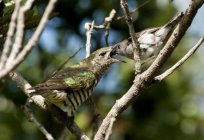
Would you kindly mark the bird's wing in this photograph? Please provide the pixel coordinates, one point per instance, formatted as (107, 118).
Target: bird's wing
(69, 79)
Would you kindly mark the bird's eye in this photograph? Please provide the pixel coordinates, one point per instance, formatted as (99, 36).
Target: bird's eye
(102, 54)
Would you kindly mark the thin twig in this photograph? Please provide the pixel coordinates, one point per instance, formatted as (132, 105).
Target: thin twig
(133, 12)
(10, 33)
(31, 117)
(136, 49)
(89, 30)
(19, 38)
(19, 32)
(108, 19)
(107, 24)
(180, 62)
(66, 61)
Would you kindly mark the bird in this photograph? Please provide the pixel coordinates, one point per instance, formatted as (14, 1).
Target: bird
(70, 87)
(150, 41)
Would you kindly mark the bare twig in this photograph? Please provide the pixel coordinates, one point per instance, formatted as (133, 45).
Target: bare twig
(40, 101)
(107, 24)
(31, 117)
(66, 61)
(18, 40)
(10, 33)
(133, 13)
(136, 49)
(107, 21)
(89, 30)
(180, 62)
(19, 32)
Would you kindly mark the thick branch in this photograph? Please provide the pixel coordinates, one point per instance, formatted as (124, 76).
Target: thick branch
(146, 77)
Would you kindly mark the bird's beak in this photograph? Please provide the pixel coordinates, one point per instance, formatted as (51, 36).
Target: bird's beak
(113, 53)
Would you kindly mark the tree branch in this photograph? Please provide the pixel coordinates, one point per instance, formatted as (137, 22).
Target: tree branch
(21, 56)
(107, 24)
(89, 30)
(142, 81)
(19, 32)
(136, 50)
(10, 33)
(180, 62)
(32, 118)
(109, 130)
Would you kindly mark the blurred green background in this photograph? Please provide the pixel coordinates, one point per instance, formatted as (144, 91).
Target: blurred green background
(170, 110)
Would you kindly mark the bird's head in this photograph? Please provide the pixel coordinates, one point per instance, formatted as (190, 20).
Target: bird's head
(102, 58)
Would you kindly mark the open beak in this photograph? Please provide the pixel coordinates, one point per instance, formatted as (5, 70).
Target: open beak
(114, 52)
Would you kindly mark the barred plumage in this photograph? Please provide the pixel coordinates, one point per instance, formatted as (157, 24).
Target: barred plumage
(69, 100)
(76, 98)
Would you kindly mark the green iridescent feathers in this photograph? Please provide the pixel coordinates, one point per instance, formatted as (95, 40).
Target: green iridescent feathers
(69, 78)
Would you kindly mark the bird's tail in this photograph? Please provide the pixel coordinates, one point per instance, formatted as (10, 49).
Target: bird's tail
(173, 23)
(35, 91)
(165, 31)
